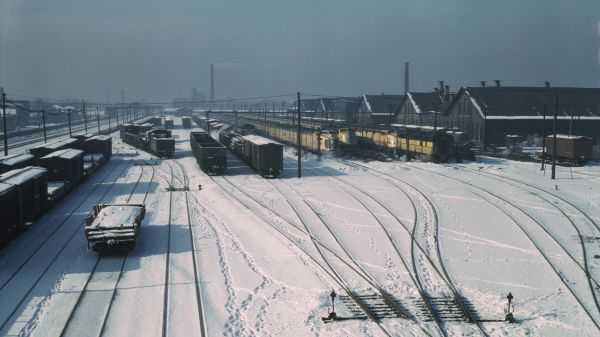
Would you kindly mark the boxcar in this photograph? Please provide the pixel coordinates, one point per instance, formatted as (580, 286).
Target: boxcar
(99, 144)
(12, 218)
(186, 122)
(32, 186)
(210, 154)
(64, 165)
(265, 155)
(45, 149)
(575, 149)
(168, 123)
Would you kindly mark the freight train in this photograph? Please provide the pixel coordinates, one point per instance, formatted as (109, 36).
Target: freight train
(143, 136)
(32, 183)
(210, 154)
(263, 154)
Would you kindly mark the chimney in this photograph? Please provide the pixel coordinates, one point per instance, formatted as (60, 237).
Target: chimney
(446, 90)
(212, 81)
(441, 87)
(498, 83)
(405, 77)
(436, 89)
(547, 84)
(483, 84)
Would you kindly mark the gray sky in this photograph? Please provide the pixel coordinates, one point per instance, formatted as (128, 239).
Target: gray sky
(161, 49)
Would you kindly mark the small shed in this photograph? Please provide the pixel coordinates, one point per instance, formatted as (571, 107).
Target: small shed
(64, 165)
(16, 161)
(32, 188)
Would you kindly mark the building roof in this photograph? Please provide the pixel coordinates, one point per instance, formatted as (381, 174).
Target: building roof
(310, 105)
(18, 176)
(383, 104)
(427, 102)
(65, 154)
(14, 159)
(529, 102)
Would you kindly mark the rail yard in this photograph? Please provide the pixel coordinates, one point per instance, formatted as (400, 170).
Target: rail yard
(215, 234)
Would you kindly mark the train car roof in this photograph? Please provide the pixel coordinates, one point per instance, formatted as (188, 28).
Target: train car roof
(5, 188)
(101, 137)
(567, 137)
(260, 140)
(56, 144)
(14, 159)
(18, 176)
(65, 154)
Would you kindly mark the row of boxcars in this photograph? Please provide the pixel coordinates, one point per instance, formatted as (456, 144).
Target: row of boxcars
(148, 138)
(33, 182)
(210, 154)
(263, 154)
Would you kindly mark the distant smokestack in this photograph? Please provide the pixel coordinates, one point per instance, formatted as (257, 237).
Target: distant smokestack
(547, 84)
(441, 87)
(212, 81)
(483, 84)
(406, 78)
(498, 83)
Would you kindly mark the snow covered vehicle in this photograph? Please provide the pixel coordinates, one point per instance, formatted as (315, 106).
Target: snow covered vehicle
(114, 226)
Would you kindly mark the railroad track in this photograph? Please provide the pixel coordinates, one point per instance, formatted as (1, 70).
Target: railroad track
(455, 305)
(14, 281)
(442, 309)
(183, 181)
(79, 322)
(366, 305)
(564, 277)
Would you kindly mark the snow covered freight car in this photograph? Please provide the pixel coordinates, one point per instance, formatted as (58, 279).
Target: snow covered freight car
(210, 154)
(113, 227)
(265, 155)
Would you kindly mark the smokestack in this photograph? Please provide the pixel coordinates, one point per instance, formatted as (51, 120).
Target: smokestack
(212, 81)
(441, 83)
(406, 78)
(547, 84)
(483, 84)
(498, 83)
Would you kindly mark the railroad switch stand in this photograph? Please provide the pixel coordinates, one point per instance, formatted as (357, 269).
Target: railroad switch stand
(509, 316)
(332, 315)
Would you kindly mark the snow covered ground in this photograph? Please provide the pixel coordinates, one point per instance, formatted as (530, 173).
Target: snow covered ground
(246, 256)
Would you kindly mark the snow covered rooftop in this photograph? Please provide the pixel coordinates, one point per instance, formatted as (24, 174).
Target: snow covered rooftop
(65, 154)
(260, 140)
(15, 159)
(19, 176)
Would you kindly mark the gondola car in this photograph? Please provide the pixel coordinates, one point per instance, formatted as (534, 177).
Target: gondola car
(210, 154)
(113, 227)
(156, 141)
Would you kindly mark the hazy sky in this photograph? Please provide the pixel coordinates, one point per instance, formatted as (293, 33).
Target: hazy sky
(161, 49)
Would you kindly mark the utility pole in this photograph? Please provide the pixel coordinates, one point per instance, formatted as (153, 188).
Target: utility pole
(84, 115)
(69, 119)
(299, 137)
(544, 140)
(5, 134)
(44, 124)
(108, 113)
(554, 140)
(98, 119)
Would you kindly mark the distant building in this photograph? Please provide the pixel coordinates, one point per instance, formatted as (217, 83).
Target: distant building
(425, 108)
(488, 114)
(379, 109)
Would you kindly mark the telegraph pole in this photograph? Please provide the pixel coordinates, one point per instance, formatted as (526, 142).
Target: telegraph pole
(554, 140)
(98, 119)
(44, 124)
(84, 115)
(299, 138)
(69, 119)
(108, 112)
(544, 140)
(5, 134)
